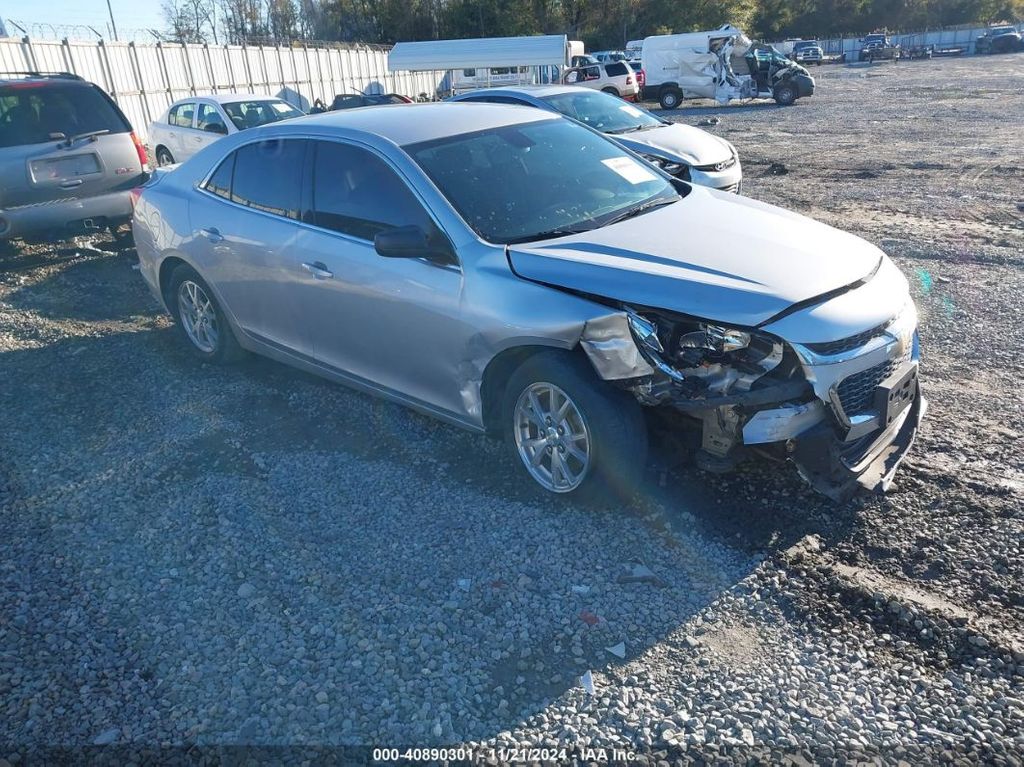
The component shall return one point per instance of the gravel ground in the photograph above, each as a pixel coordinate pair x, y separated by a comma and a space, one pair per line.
249, 555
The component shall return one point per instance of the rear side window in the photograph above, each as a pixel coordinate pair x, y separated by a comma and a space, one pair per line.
358, 194
616, 69
268, 176
181, 115
33, 113
220, 182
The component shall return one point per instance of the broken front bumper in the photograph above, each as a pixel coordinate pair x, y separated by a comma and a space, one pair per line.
838, 468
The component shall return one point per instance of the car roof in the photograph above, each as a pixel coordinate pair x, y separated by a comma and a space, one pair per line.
399, 124
537, 91
229, 98
61, 78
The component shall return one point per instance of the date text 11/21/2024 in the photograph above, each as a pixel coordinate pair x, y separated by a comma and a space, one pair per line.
502, 755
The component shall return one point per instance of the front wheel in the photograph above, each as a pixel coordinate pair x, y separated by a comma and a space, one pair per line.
670, 98
200, 318
785, 94
571, 432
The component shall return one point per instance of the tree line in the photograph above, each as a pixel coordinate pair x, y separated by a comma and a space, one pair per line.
600, 24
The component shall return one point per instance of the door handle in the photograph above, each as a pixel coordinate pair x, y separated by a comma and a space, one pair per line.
197, 139
318, 270
212, 234
70, 183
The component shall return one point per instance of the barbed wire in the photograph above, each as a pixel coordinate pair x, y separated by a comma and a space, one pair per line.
89, 32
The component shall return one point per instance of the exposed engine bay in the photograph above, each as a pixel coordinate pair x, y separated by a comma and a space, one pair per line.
745, 387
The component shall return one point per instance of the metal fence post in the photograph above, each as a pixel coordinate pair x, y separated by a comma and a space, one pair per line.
133, 55
165, 72
188, 68
209, 67
108, 73
29, 54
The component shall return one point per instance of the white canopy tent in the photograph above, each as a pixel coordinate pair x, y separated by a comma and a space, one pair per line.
440, 55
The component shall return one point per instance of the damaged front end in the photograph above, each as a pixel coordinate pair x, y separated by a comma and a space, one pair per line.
845, 412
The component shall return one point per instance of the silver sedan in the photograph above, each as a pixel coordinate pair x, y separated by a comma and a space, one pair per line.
513, 272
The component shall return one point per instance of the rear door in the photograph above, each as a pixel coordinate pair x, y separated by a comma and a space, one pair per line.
245, 235
45, 150
181, 119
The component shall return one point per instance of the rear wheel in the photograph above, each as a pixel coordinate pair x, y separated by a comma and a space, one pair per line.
670, 98
200, 318
785, 94
164, 156
570, 432
611, 91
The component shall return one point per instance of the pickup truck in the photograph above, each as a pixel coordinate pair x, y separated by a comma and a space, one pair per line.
1005, 39
878, 47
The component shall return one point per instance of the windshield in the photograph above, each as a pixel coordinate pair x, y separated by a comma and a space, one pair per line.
1002, 31
537, 180
602, 111
250, 114
804, 46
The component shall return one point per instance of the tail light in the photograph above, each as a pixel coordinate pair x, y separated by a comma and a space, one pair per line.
141, 151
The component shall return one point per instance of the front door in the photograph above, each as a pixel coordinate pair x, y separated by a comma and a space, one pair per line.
395, 323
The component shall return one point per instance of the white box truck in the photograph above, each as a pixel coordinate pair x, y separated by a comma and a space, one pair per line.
721, 64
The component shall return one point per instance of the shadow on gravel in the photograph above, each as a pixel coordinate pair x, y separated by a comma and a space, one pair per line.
275, 558
97, 285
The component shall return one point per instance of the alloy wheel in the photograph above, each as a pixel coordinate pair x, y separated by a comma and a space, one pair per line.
198, 317
552, 437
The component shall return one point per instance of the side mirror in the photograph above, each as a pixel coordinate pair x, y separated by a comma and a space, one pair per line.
216, 128
411, 242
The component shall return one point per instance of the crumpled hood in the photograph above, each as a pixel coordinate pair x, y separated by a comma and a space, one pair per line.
692, 145
712, 255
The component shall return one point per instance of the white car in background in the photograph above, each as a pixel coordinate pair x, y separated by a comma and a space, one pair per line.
191, 124
614, 77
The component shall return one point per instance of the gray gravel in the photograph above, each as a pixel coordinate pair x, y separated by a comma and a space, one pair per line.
191, 554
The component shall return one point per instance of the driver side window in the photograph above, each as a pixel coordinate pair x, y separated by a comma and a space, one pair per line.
209, 119
358, 194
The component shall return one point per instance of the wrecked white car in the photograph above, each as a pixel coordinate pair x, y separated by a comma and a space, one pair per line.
721, 64
528, 277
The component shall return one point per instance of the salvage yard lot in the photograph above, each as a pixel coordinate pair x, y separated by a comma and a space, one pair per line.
252, 555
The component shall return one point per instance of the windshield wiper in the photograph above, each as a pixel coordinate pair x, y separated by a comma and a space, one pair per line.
641, 209
630, 129
79, 136
563, 231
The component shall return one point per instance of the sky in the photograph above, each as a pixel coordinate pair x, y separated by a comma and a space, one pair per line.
132, 16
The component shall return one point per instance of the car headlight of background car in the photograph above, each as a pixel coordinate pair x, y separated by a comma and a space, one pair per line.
671, 167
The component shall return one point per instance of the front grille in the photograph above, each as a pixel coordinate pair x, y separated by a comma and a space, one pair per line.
731, 188
857, 392
830, 348
716, 167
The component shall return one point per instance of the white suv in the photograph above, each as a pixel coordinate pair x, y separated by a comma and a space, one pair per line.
616, 78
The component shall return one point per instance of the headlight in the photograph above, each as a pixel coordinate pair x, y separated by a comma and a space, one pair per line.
672, 168
725, 339
645, 331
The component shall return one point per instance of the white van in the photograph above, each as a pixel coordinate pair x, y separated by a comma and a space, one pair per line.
720, 64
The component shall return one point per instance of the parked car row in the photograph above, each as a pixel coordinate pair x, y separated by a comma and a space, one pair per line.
538, 269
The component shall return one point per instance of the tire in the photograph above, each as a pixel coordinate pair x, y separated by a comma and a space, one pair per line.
670, 98
610, 90
615, 441
785, 94
164, 157
219, 347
